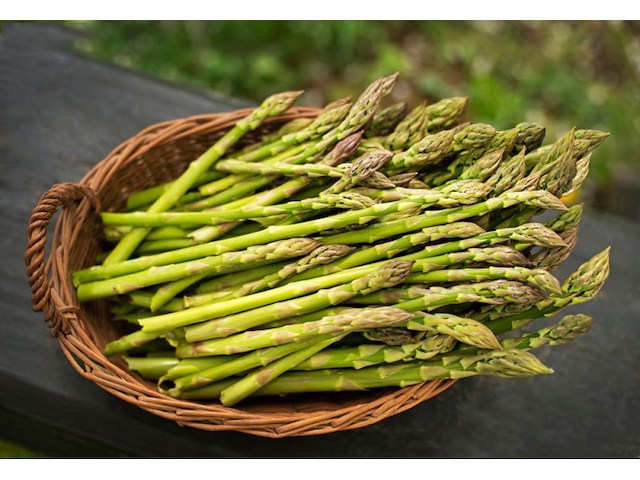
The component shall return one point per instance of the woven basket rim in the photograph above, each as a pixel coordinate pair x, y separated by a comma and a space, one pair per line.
55, 296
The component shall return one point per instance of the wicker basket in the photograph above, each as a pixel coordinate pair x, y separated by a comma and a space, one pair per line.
155, 155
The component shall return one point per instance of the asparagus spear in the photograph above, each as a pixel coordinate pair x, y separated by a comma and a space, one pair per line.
350, 320
537, 277
508, 174
342, 150
581, 286
272, 106
359, 356
386, 120
551, 258
502, 363
345, 200
464, 330
539, 199
254, 381
360, 170
310, 169
445, 113
569, 328
530, 136
212, 311
389, 274
323, 255
226, 262
428, 151
409, 130
231, 365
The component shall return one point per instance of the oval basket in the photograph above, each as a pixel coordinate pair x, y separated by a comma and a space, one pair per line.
156, 155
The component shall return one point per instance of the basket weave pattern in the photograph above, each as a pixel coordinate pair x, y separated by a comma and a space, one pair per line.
156, 155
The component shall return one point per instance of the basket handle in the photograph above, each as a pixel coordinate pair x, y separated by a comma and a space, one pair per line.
44, 299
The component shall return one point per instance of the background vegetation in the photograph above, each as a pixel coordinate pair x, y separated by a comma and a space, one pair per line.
555, 73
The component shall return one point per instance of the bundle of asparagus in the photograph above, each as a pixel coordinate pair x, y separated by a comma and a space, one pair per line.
366, 248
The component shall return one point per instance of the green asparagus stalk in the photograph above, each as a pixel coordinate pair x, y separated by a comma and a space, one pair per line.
254, 381
581, 286
534, 233
540, 199
345, 200
231, 365
403, 179
351, 320
494, 292
582, 171
569, 328
409, 130
342, 150
323, 255
445, 113
310, 169
537, 277
462, 192
359, 356
483, 168
551, 258
141, 298
502, 363
361, 169
428, 151
377, 180
472, 137
508, 174
530, 136
389, 274
235, 279
151, 368
272, 106
464, 330
386, 120
226, 262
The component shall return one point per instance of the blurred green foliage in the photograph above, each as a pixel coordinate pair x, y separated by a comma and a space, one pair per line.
11, 450
555, 73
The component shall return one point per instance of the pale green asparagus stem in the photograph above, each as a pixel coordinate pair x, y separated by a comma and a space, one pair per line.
342, 150
231, 365
253, 382
389, 274
539, 199
272, 106
502, 363
350, 320
227, 262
